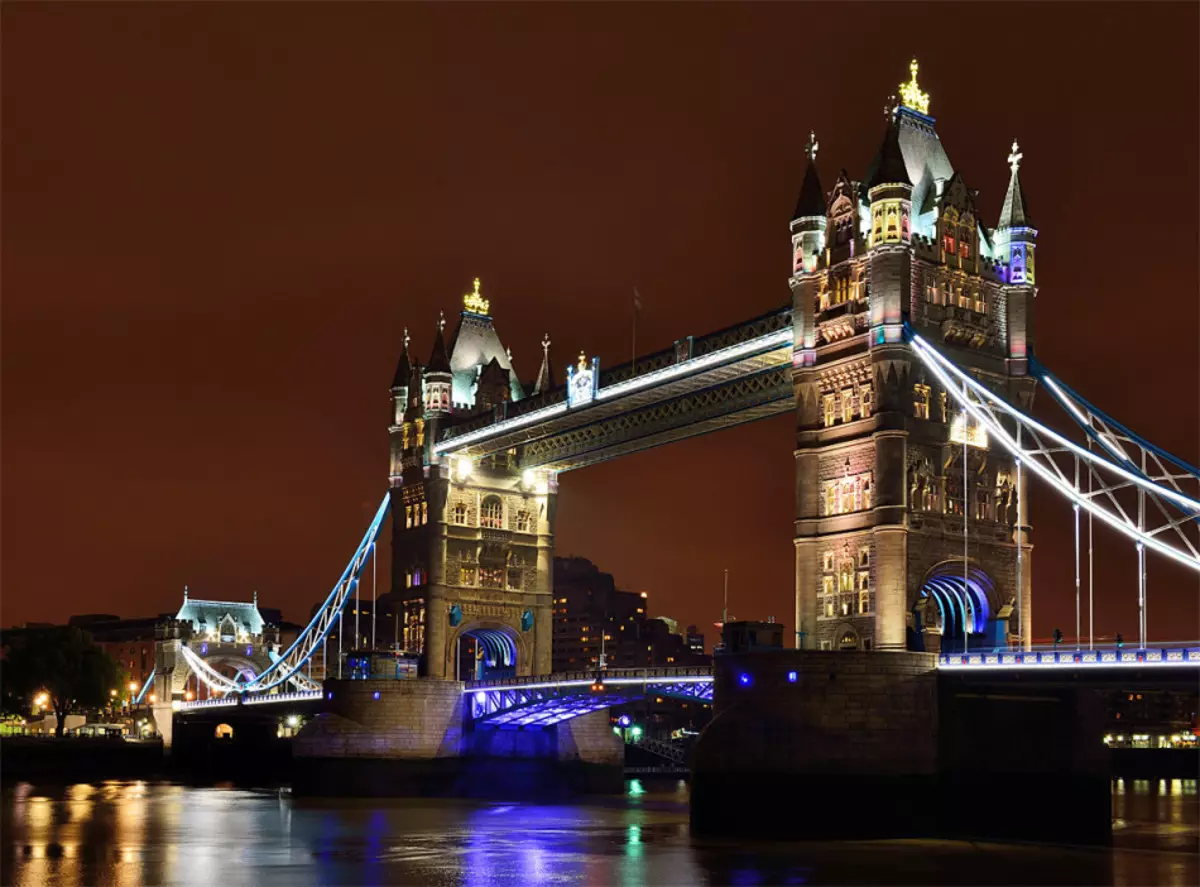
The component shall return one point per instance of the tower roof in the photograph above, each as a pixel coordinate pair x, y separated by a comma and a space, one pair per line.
1015, 213
473, 345
889, 167
812, 197
207, 616
404, 367
439, 362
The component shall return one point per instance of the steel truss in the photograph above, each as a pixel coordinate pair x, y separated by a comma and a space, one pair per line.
543, 701
1098, 481
728, 403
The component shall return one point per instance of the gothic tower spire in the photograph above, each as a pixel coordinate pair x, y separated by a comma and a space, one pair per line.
545, 379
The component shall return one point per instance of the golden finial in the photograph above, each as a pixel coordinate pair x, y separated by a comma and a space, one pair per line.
811, 148
474, 302
582, 362
910, 93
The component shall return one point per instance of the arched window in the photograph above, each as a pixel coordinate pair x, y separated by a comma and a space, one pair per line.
848, 640
492, 515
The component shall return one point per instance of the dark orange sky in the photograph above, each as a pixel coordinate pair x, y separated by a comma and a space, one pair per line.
218, 219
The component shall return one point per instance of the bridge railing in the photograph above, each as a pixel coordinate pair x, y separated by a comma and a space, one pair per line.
644, 675
1155, 657
250, 699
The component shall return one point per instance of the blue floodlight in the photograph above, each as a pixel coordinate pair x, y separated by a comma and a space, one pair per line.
792, 677
744, 679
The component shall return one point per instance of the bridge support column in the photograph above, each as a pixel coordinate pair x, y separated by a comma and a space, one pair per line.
164, 720
891, 584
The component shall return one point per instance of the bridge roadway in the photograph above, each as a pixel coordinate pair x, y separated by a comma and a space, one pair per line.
543, 700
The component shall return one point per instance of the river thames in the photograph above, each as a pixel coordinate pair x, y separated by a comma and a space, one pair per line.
138, 833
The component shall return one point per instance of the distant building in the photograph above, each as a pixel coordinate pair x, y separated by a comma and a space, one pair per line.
592, 616
695, 640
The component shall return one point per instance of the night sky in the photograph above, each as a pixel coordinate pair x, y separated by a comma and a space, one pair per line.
218, 219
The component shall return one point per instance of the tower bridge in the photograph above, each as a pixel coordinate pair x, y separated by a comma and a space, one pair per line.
906, 354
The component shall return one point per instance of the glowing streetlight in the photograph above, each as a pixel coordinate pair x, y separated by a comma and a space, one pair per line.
133, 685
112, 693
153, 698
189, 695
41, 699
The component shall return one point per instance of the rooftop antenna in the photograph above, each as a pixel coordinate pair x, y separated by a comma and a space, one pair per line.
725, 607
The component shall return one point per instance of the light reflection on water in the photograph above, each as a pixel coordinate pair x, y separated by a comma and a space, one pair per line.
134, 833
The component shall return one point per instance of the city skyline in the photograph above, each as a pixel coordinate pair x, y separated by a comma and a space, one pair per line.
192, 396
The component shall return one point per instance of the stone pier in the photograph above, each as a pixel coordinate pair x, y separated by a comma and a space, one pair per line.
411, 737
806, 745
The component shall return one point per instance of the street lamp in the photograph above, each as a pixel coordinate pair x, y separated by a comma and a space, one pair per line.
133, 685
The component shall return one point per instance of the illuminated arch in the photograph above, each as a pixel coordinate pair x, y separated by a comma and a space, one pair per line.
501, 646
965, 605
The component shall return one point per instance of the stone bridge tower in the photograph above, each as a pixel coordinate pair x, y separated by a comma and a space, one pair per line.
472, 541
880, 492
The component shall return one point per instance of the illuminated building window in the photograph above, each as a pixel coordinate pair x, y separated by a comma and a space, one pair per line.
492, 513
846, 576
848, 495
864, 601
847, 404
893, 229
864, 556
491, 577
948, 244
827, 586
408, 516
827, 561
866, 490
921, 401
943, 402
964, 249
830, 410
459, 514
424, 513
876, 224
864, 400
830, 606
864, 580
831, 499
466, 575
524, 522
841, 291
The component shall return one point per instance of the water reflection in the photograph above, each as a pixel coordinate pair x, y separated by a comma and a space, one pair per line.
133, 833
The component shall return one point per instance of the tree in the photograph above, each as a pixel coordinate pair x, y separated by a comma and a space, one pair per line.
65, 663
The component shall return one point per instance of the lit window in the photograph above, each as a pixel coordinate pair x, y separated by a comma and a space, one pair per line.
827, 585
847, 404
524, 522
848, 495
830, 499
466, 575
459, 515
408, 516
827, 562
424, 513
492, 513
866, 490
864, 601
830, 410
864, 580
964, 249
944, 405
921, 401
491, 578
830, 605
948, 244
864, 400
864, 556
846, 577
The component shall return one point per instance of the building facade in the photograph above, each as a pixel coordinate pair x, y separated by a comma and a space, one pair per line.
472, 542
888, 471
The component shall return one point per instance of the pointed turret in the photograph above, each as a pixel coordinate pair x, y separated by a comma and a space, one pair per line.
889, 191
1015, 213
545, 379
439, 360
438, 377
808, 221
1016, 238
888, 167
404, 367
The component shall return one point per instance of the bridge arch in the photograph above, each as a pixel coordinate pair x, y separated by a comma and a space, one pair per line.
963, 610
499, 651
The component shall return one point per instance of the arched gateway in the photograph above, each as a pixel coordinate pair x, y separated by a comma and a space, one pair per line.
889, 472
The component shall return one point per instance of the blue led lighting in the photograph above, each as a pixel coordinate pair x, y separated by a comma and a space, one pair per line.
330, 696
376, 694
744, 679
624, 720
792, 677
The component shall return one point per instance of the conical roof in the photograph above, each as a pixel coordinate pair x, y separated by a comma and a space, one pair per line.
888, 167
403, 368
439, 361
812, 197
545, 378
1015, 213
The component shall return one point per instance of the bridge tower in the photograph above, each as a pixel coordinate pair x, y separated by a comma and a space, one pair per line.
880, 451
472, 540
